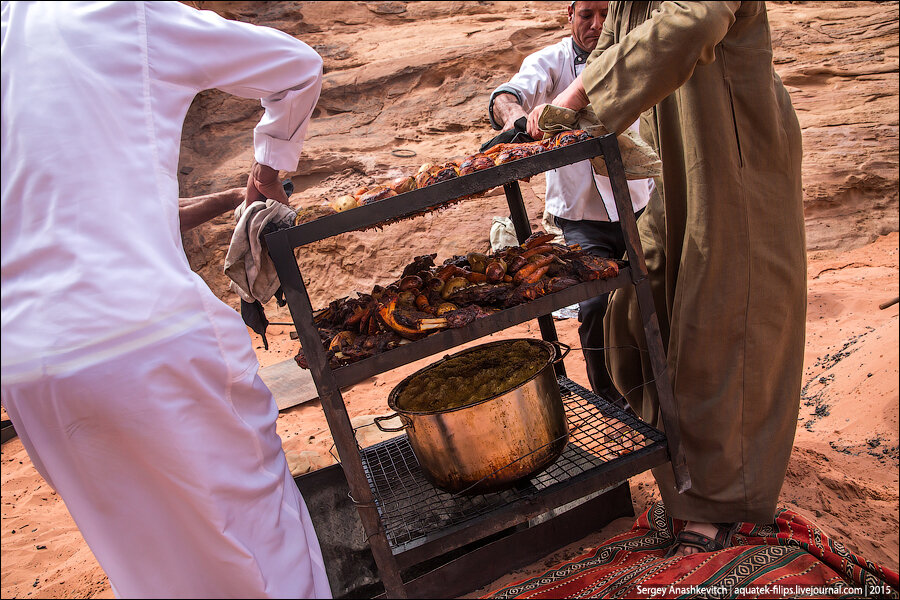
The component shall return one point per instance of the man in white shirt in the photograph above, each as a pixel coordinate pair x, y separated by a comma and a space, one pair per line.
581, 202
132, 387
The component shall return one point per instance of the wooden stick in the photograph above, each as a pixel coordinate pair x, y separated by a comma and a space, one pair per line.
889, 303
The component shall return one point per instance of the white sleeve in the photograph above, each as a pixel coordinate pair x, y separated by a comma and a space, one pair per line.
201, 50
536, 79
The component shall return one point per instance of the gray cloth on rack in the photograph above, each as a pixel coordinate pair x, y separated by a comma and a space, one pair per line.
247, 262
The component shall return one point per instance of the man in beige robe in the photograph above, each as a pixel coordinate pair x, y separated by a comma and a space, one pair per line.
724, 243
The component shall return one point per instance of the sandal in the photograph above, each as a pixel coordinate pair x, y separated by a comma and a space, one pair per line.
704, 543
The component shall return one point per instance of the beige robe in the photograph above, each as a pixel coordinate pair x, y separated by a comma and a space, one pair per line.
724, 243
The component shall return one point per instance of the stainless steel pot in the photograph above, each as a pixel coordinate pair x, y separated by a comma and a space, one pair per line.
488, 445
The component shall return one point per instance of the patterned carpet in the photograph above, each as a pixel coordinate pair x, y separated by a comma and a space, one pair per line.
790, 558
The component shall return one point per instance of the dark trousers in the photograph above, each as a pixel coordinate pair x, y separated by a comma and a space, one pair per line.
605, 239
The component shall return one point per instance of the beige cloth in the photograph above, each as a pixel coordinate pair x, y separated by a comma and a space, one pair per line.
724, 242
503, 234
638, 158
548, 222
247, 262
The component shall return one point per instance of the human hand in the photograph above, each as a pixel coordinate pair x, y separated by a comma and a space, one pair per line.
534, 116
263, 183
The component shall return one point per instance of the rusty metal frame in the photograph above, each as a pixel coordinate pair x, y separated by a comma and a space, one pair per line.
281, 245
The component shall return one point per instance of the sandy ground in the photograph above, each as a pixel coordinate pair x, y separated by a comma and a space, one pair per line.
417, 75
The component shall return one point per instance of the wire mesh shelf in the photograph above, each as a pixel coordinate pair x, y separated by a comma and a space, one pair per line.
412, 509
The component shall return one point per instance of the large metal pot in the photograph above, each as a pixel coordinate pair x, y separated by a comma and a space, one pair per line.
488, 445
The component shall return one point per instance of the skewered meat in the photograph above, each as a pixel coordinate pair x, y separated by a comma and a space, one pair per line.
476, 162
426, 172
377, 193
448, 271
533, 291
448, 171
570, 137
589, 267
512, 154
495, 270
533, 271
494, 151
430, 174
311, 213
538, 239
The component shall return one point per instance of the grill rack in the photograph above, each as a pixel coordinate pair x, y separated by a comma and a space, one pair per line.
412, 509
453, 578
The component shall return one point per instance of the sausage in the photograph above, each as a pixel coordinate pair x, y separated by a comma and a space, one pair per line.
542, 249
530, 268
536, 275
538, 240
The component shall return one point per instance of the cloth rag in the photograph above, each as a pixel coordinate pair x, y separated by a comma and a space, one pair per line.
503, 234
638, 158
247, 262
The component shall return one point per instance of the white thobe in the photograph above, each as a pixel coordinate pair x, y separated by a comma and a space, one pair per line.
574, 192
134, 389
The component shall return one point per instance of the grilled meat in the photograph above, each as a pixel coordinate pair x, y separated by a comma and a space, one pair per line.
430, 298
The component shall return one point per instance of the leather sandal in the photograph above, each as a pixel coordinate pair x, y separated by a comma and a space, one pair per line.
704, 543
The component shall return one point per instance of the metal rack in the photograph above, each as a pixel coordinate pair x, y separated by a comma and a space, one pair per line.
414, 512
408, 521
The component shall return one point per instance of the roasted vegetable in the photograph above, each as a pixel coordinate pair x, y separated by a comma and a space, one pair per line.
345, 202
453, 285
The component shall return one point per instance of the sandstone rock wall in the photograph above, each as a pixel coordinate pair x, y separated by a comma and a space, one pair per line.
418, 75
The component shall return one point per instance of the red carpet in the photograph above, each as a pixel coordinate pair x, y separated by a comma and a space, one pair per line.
789, 558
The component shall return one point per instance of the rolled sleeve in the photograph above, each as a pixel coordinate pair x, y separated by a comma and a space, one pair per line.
278, 137
536, 79
503, 89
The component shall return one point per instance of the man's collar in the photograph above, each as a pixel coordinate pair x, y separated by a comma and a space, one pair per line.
581, 55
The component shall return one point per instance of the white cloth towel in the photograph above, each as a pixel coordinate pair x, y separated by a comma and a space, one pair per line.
247, 262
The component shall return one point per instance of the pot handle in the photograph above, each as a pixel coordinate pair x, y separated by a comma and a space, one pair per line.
389, 429
562, 351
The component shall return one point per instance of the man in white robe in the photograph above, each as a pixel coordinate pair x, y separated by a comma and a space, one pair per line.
133, 388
